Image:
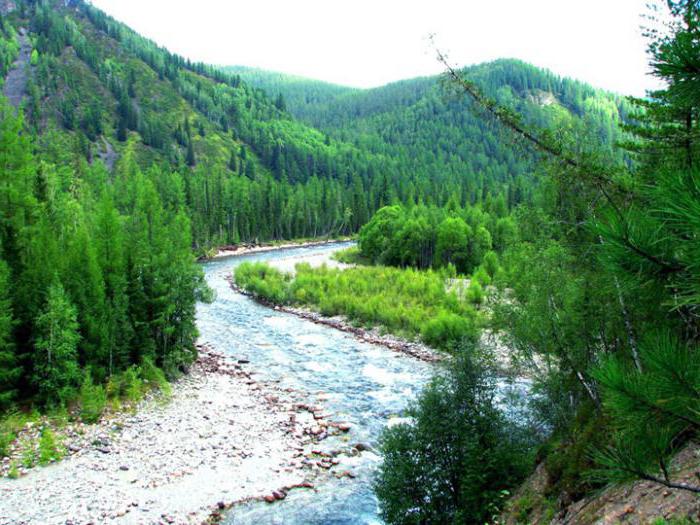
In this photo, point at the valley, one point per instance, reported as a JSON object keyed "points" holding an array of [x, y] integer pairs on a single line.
{"points": [[236, 295]]}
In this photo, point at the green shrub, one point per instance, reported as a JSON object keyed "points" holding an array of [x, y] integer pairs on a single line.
{"points": [[13, 472], [490, 264], [447, 330], [93, 399], [6, 439], [29, 457], [155, 377], [131, 386], [402, 301], [113, 388], [481, 276], [264, 281], [350, 255], [49, 447], [458, 458], [475, 293]]}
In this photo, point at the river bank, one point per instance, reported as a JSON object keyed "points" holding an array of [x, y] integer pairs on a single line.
{"points": [[367, 335], [224, 438], [244, 249]]}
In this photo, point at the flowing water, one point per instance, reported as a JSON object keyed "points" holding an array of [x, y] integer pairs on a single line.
{"points": [[365, 385]]}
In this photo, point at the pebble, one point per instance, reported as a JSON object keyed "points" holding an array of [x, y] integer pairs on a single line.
{"points": [[163, 441]]}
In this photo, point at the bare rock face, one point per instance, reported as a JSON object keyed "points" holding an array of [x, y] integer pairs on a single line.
{"points": [[16, 82], [541, 98]]}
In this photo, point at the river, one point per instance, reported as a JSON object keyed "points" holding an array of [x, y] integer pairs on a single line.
{"points": [[365, 385]]}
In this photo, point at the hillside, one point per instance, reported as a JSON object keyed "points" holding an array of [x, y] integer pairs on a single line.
{"points": [[317, 161], [430, 130], [96, 90]]}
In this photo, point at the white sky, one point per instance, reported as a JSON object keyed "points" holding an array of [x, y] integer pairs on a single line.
{"points": [[367, 43]]}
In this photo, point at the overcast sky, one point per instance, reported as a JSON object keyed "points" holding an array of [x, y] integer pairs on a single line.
{"points": [[368, 43]]}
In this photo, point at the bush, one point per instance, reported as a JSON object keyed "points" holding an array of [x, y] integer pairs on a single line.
{"points": [[490, 264], [49, 447], [131, 385], [29, 457], [6, 439], [475, 293], [93, 399], [456, 460], [13, 472], [481, 276], [448, 330], [155, 377], [350, 255], [264, 281]]}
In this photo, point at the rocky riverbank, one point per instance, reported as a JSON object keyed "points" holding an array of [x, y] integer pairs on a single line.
{"points": [[223, 438]]}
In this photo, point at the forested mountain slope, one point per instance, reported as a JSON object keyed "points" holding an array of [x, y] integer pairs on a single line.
{"points": [[425, 128], [246, 168], [243, 165]]}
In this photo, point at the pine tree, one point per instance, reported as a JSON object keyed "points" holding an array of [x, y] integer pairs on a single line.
{"points": [[280, 103], [233, 161], [10, 370], [190, 158], [56, 371]]}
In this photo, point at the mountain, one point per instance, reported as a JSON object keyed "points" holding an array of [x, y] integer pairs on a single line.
{"points": [[261, 155], [426, 126], [97, 90]]}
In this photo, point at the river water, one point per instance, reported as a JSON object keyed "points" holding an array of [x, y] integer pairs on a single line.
{"points": [[365, 385]]}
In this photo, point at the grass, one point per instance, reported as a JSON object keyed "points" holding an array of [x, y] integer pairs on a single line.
{"points": [[10, 427], [406, 302], [13, 473]]}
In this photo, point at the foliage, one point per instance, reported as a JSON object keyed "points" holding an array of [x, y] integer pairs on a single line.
{"points": [[427, 236], [93, 399], [457, 459], [446, 330], [428, 132], [155, 377], [50, 449], [405, 301], [13, 472], [263, 281], [349, 256], [131, 385], [56, 370], [600, 293], [100, 278], [649, 410], [475, 293], [10, 369], [6, 438]]}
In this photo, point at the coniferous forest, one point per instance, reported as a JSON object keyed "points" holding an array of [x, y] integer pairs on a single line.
{"points": [[494, 201]]}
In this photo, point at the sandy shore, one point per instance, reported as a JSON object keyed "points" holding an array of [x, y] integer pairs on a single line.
{"points": [[223, 438]]}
